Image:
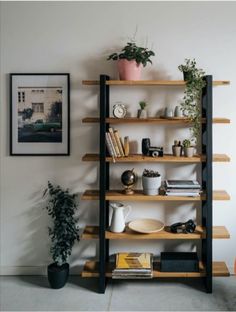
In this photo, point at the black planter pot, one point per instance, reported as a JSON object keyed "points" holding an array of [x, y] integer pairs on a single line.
{"points": [[187, 75], [58, 275]]}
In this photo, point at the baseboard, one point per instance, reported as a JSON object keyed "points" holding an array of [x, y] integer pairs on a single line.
{"points": [[32, 270]]}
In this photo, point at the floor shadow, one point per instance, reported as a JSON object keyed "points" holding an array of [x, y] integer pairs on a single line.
{"points": [[90, 284], [40, 281]]}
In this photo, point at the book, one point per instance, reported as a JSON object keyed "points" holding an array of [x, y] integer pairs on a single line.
{"points": [[183, 194], [187, 184], [110, 146], [126, 146], [117, 137], [114, 142], [172, 190]]}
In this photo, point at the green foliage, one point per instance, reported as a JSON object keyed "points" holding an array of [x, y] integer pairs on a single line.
{"points": [[186, 143], [132, 52], [61, 207], [27, 113], [150, 173], [190, 104], [142, 104]]}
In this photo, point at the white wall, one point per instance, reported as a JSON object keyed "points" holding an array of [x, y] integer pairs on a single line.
{"points": [[76, 37]]}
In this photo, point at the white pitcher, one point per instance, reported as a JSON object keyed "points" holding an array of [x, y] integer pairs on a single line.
{"points": [[118, 217]]}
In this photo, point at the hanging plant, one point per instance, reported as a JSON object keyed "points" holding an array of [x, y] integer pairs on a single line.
{"points": [[190, 104]]}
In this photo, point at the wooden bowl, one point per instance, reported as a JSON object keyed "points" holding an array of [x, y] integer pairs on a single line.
{"points": [[146, 226]]}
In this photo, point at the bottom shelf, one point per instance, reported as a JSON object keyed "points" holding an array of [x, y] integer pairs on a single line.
{"points": [[219, 269]]}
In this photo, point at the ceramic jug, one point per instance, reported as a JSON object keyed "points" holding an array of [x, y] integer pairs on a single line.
{"points": [[118, 217]]}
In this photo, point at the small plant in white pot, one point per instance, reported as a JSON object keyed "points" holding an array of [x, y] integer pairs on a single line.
{"points": [[151, 181], [188, 148], [142, 112]]}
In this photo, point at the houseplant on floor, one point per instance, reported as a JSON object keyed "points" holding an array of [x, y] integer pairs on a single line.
{"points": [[61, 207], [130, 60], [190, 104], [151, 181]]}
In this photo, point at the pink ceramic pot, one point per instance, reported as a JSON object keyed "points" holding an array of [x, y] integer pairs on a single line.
{"points": [[129, 70]]}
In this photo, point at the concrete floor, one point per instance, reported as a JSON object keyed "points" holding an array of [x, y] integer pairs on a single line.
{"points": [[31, 293]]}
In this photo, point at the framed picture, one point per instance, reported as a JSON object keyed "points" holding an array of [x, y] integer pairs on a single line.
{"points": [[39, 114]]}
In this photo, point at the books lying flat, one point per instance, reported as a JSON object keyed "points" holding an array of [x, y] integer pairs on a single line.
{"points": [[182, 194], [182, 184], [133, 265]]}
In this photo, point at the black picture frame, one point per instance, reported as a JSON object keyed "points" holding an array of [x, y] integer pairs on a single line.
{"points": [[57, 141]]}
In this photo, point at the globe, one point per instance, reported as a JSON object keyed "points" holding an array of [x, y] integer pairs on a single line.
{"points": [[128, 179]]}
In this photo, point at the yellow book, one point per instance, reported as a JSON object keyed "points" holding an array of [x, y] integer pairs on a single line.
{"points": [[114, 142], [133, 260], [117, 137]]}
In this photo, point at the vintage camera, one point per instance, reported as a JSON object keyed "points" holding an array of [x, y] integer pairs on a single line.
{"points": [[183, 227], [149, 150]]}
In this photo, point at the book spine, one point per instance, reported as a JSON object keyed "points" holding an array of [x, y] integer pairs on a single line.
{"points": [[114, 142], [117, 137], [126, 146], [109, 145]]}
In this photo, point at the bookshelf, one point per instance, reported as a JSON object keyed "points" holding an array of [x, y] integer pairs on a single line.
{"points": [[205, 231]]}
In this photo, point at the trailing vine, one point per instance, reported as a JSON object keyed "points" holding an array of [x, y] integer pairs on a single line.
{"points": [[190, 104]]}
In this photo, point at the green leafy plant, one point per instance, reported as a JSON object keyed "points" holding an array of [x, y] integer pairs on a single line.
{"points": [[186, 143], [142, 104], [61, 207], [190, 104], [132, 52], [151, 173]]}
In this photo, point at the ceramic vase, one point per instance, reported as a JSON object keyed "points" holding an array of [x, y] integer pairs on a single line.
{"points": [[188, 151], [177, 150], [151, 185]]}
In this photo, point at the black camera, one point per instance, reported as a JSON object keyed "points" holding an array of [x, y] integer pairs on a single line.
{"points": [[183, 227], [149, 150]]}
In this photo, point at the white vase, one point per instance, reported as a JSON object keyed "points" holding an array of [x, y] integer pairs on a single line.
{"points": [[188, 151], [151, 185], [142, 113], [118, 217]]}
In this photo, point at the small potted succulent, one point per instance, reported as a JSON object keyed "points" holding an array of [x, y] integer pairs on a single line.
{"points": [[142, 112], [177, 148], [188, 148], [151, 181], [131, 60], [61, 207]]}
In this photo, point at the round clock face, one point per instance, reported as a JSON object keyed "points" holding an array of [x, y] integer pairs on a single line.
{"points": [[119, 111]]}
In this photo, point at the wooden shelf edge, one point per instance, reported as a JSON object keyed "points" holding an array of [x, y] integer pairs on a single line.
{"points": [[139, 196], [148, 82], [218, 232], [218, 269], [167, 158]]}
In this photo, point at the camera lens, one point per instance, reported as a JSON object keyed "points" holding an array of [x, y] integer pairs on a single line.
{"points": [[155, 154]]}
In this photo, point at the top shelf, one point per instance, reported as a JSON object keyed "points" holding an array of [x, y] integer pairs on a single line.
{"points": [[177, 83]]}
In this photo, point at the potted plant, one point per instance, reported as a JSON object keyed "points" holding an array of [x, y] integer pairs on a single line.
{"points": [[177, 148], [188, 148], [61, 206], [151, 181], [190, 104], [131, 59], [142, 112]]}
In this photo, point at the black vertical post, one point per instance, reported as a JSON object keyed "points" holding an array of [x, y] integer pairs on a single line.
{"points": [[207, 181], [103, 180]]}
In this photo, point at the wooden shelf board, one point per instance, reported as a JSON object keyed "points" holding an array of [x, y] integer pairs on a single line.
{"points": [[139, 196], [218, 269], [219, 232], [167, 158], [148, 82], [135, 120]]}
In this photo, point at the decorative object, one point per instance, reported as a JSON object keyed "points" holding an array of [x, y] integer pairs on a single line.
{"points": [[179, 262], [126, 146], [61, 207], [188, 149], [128, 179], [119, 110], [153, 151], [142, 112], [183, 227], [151, 181], [39, 114], [131, 60], [177, 148], [190, 105], [146, 226], [178, 112], [119, 217], [168, 112]]}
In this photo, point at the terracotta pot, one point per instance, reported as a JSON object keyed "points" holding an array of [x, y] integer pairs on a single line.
{"points": [[129, 70]]}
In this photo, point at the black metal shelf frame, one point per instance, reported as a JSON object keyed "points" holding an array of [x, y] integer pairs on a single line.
{"points": [[206, 169]]}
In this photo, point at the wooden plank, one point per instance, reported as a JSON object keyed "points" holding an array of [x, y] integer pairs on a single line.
{"points": [[167, 158], [135, 120], [148, 82], [139, 196], [218, 269], [219, 232]]}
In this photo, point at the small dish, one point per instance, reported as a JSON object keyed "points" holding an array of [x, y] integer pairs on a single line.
{"points": [[146, 226]]}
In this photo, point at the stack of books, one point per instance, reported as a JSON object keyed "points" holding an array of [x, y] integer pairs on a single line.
{"points": [[182, 188], [133, 265], [114, 143]]}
